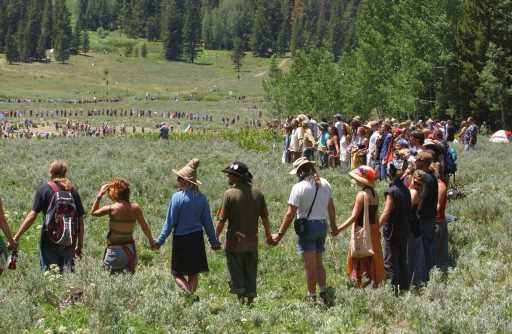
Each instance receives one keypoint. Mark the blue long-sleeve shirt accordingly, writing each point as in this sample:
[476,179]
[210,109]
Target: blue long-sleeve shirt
[188,212]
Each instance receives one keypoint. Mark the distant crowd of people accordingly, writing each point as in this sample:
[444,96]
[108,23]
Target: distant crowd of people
[65,101]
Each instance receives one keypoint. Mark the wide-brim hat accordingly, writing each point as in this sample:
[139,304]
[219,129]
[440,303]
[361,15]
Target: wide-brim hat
[297,164]
[365,175]
[189,172]
[239,169]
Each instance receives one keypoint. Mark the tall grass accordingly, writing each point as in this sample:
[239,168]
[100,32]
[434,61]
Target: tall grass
[473,298]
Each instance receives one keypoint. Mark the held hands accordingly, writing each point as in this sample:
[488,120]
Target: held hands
[154,245]
[217,247]
[276,238]
[12,246]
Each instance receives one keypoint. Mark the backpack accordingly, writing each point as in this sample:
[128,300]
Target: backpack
[62,220]
[450,160]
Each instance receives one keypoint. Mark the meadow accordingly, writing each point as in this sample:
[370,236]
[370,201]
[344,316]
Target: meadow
[474,297]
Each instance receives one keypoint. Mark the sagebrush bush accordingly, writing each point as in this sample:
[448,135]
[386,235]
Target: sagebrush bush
[474,297]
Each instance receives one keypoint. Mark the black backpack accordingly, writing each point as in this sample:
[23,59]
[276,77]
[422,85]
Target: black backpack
[62,220]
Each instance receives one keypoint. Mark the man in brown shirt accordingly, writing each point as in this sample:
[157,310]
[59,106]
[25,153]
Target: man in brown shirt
[242,207]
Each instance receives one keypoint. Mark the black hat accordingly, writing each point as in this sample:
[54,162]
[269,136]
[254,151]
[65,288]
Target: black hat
[239,169]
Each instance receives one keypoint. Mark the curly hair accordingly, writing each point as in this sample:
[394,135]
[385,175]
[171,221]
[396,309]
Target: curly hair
[119,190]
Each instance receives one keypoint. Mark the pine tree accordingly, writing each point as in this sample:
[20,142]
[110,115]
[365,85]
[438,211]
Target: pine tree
[31,32]
[260,40]
[45,38]
[171,30]
[11,48]
[296,39]
[237,55]
[63,33]
[284,34]
[191,29]
[144,50]
[335,39]
[76,38]
[3,24]
[85,42]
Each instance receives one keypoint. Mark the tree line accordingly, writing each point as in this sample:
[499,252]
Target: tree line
[265,27]
[412,60]
[28,28]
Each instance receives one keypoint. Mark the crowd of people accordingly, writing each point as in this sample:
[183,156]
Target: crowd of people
[415,158]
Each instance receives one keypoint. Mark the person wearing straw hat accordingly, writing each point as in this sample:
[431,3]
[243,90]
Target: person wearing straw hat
[188,215]
[242,206]
[310,200]
[370,267]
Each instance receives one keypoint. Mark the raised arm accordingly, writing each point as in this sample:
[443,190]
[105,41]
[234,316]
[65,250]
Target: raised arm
[96,211]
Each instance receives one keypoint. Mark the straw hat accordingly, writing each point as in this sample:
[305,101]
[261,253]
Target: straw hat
[189,172]
[297,164]
[365,175]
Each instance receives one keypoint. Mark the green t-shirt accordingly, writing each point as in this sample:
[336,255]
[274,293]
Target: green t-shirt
[242,207]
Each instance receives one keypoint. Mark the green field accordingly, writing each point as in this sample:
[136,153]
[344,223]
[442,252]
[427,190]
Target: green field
[473,298]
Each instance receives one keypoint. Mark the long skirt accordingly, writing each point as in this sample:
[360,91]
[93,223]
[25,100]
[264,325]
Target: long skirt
[416,261]
[370,268]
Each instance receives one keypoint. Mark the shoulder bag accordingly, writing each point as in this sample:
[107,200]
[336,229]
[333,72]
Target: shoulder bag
[301,224]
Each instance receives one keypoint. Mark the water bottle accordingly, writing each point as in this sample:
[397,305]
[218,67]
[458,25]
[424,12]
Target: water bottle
[12,261]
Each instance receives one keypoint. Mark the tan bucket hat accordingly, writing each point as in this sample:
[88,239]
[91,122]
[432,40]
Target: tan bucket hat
[297,164]
[189,172]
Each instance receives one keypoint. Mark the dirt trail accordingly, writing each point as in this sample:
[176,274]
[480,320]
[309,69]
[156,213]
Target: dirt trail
[282,64]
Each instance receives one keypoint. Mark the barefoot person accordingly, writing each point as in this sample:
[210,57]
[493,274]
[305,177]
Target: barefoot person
[56,247]
[242,207]
[188,215]
[310,199]
[120,255]
[370,269]
[11,244]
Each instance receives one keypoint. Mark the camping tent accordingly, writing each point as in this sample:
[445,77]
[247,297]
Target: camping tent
[501,136]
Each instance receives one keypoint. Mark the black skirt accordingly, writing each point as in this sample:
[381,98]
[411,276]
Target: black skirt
[188,254]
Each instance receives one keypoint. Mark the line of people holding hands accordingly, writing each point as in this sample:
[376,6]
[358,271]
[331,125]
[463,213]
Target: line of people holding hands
[408,220]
